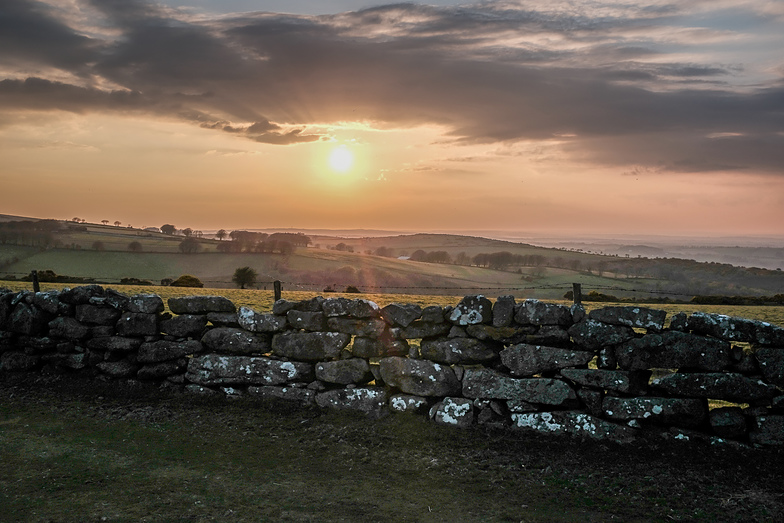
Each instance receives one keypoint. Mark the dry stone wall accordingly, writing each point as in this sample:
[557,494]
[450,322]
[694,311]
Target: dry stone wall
[610,374]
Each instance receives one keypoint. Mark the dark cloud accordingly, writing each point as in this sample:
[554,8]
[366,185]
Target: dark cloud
[489,73]
[30,33]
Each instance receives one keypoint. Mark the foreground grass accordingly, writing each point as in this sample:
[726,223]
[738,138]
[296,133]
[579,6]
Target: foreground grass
[107,452]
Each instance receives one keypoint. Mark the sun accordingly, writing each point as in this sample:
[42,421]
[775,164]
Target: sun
[341,159]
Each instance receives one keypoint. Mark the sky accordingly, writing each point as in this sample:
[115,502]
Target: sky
[569,117]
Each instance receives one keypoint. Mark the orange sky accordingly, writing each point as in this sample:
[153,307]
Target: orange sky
[542,117]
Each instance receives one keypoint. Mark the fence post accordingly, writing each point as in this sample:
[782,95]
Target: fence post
[578,293]
[276,283]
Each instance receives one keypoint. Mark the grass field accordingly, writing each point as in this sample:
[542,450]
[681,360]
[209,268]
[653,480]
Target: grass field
[262,300]
[107,452]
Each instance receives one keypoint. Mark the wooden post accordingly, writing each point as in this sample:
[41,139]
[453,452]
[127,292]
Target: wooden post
[276,283]
[578,293]
[36,285]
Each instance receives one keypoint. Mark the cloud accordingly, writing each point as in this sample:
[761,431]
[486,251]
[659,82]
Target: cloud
[639,74]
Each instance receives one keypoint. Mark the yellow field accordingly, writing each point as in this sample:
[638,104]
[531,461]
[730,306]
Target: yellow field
[261,300]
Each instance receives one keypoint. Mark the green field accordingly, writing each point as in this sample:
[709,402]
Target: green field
[102,253]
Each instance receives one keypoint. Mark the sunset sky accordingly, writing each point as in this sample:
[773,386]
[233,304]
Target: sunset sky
[549,117]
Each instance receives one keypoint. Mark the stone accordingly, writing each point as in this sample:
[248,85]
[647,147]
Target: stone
[408,403]
[50,302]
[14,361]
[145,304]
[334,307]
[368,400]
[81,295]
[574,424]
[506,335]
[721,326]
[607,359]
[223,319]
[419,377]
[624,382]
[378,348]
[535,312]
[309,321]
[305,397]
[369,328]
[766,334]
[578,312]
[636,317]
[768,430]
[521,406]
[771,364]
[527,360]
[114,344]
[215,369]
[185,326]
[201,391]
[282,307]
[97,315]
[503,311]
[118,369]
[200,305]
[310,346]
[488,384]
[137,324]
[160,351]
[472,310]
[681,412]
[728,422]
[593,335]
[432,314]
[675,350]
[159,371]
[28,320]
[70,361]
[458,350]
[235,341]
[401,315]
[37,345]
[457,412]
[69,328]
[592,399]
[423,329]
[725,386]
[252,321]
[344,372]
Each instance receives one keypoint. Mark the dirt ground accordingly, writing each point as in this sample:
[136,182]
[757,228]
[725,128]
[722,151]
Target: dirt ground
[320,465]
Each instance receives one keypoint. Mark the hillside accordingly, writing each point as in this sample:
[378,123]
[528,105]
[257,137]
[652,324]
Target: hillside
[432,263]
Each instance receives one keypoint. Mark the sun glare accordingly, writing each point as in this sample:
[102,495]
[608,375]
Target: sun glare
[341,159]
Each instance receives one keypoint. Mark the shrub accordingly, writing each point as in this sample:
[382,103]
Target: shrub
[186,280]
[352,289]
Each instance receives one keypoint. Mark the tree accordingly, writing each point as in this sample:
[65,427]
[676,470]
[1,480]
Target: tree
[105,222]
[168,229]
[244,276]
[221,234]
[98,245]
[117,223]
[76,219]
[189,245]
[187,232]
[135,247]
